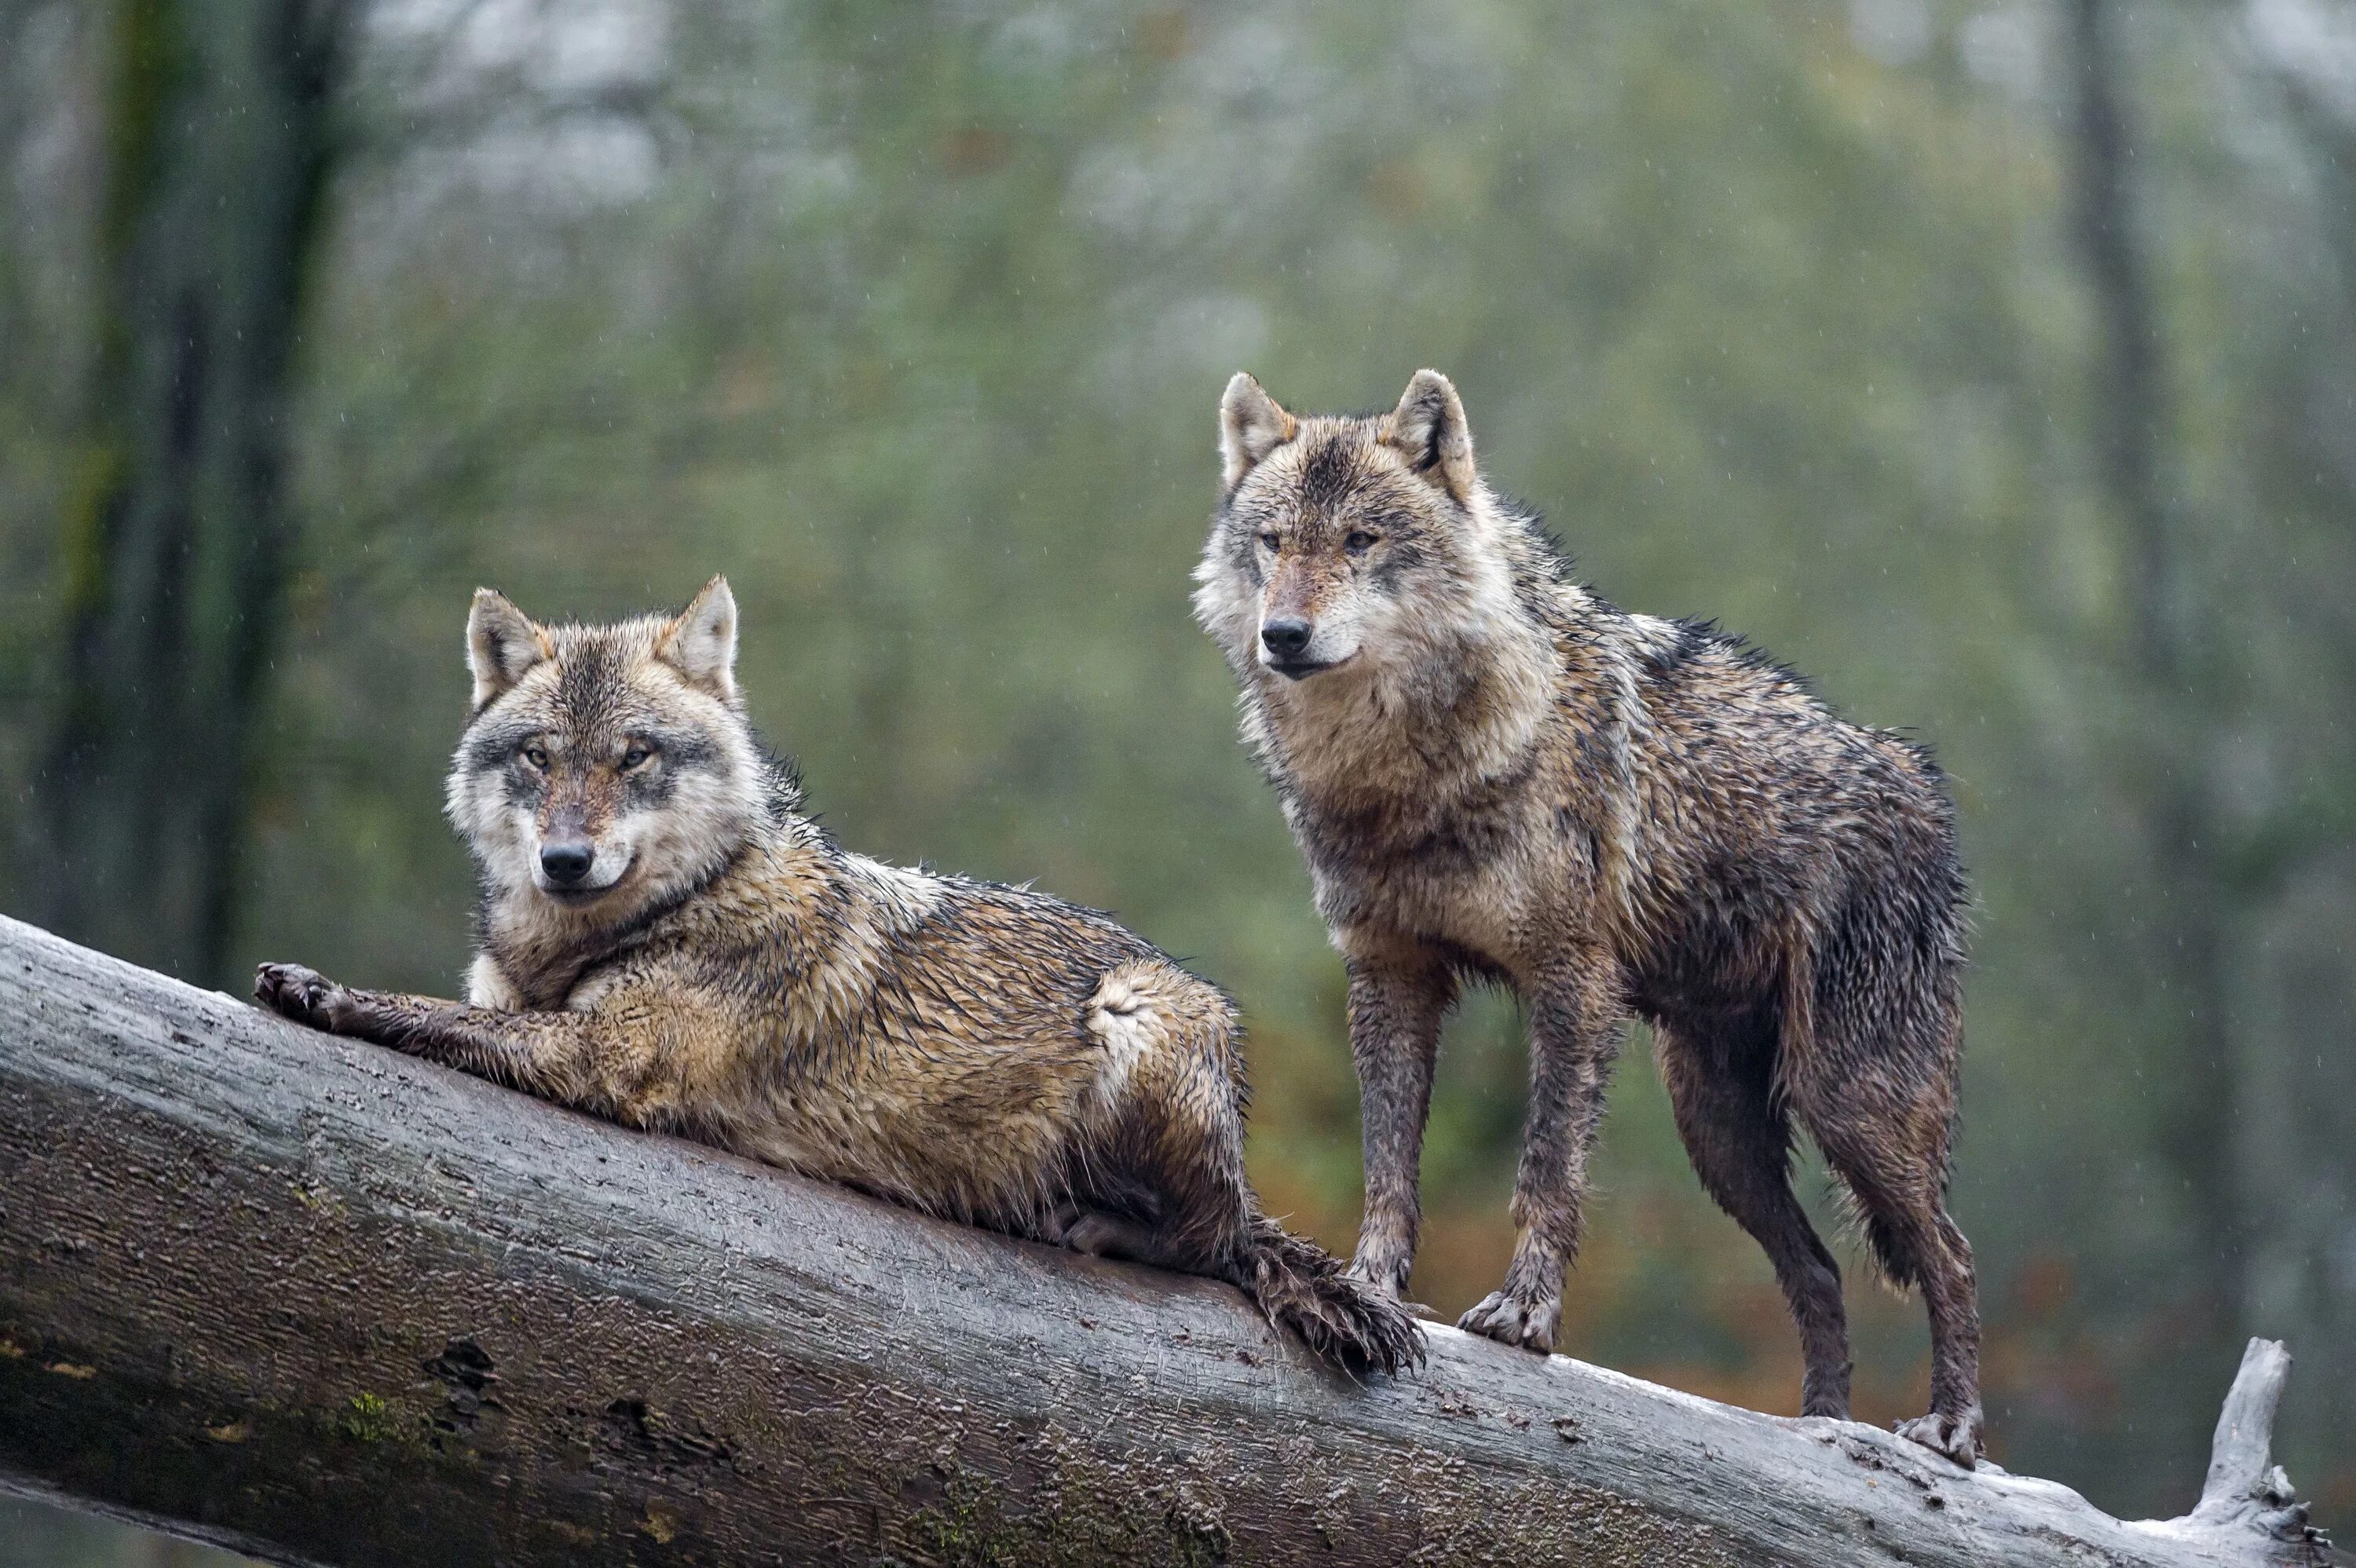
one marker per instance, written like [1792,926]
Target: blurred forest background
[1993,363]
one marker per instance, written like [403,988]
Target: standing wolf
[666,941]
[1495,775]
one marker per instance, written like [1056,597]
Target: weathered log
[327,1304]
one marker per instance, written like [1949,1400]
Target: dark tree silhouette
[217,139]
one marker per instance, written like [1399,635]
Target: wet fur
[981,1052]
[1496,777]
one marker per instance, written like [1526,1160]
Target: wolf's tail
[1302,1286]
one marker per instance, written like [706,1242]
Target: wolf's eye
[1269,541]
[1359,542]
[537,757]
[636,757]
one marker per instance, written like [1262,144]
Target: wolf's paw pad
[1512,1321]
[1106,1236]
[303,995]
[1956,1436]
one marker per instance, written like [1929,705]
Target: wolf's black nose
[1286,639]
[566,864]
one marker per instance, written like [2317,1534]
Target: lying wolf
[1495,775]
[668,941]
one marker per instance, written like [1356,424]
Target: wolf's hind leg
[1177,1126]
[1917,1242]
[1574,1035]
[1885,1125]
[1721,1083]
[1176,1121]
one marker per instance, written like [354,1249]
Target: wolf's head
[605,769]
[1349,542]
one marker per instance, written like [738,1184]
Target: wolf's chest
[1472,879]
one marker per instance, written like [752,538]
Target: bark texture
[327,1304]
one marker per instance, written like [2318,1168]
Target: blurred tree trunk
[2296,1001]
[2190,924]
[215,127]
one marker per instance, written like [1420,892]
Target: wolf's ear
[503,645]
[1429,426]
[1250,427]
[701,643]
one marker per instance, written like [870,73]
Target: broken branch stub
[2245,1489]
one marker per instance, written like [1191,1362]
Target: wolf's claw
[303,995]
[1956,1436]
[1512,1321]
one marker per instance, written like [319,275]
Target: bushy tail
[1302,1286]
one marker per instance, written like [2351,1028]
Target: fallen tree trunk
[327,1304]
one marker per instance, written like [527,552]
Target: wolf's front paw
[304,995]
[1512,1321]
[1956,1436]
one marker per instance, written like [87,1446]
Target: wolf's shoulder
[1691,651]
[1707,688]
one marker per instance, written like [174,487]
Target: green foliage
[367,1418]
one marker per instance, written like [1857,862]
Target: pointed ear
[502,644]
[1250,427]
[1429,426]
[701,643]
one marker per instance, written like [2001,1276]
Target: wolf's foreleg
[555,1055]
[1574,1034]
[1397,1006]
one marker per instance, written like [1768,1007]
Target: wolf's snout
[1286,639]
[566,864]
